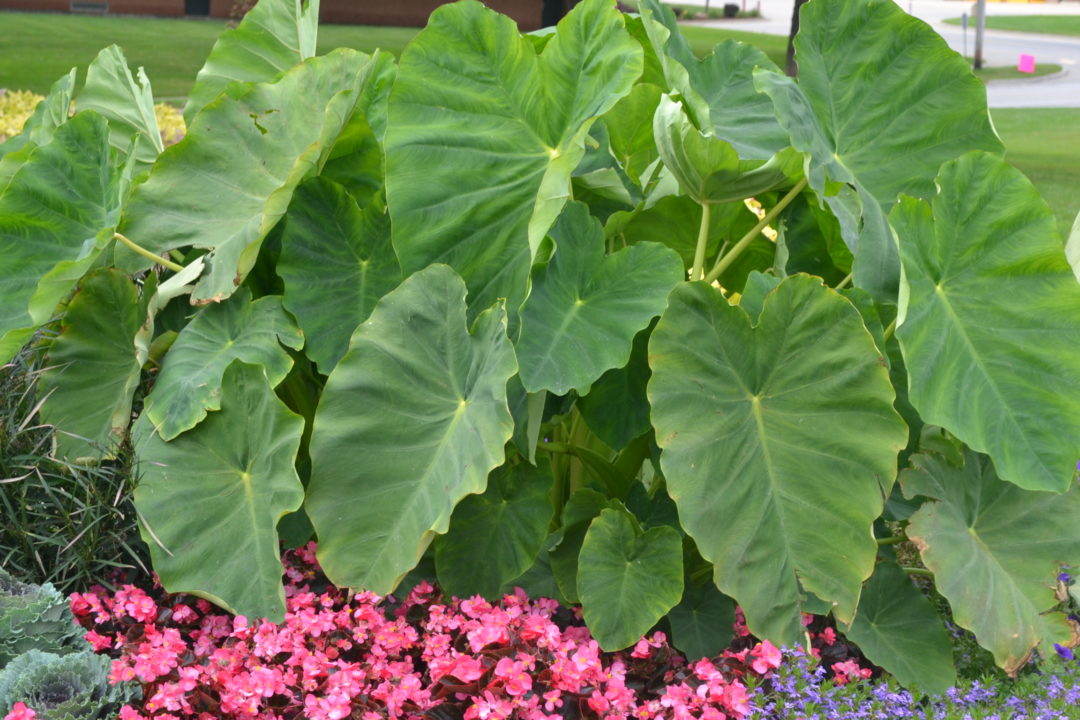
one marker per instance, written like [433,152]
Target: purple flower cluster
[800,691]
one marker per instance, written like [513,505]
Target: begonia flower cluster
[365,657]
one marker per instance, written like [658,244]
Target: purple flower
[1064,652]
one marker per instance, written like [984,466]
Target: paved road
[1000,48]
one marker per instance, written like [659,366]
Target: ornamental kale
[33,617]
[61,687]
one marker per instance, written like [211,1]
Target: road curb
[1026,81]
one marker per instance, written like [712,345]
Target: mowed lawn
[37,48]
[1052,24]
[1045,145]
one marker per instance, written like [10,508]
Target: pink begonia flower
[20,712]
[767,657]
[828,635]
[97,641]
[517,681]
[848,671]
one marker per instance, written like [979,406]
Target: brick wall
[353,12]
[164,8]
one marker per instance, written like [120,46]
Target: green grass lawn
[1045,145]
[172,50]
[1053,24]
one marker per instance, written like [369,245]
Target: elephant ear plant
[497,313]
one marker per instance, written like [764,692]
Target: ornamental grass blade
[627,579]
[92,369]
[190,381]
[995,549]
[274,36]
[229,181]
[886,128]
[110,90]
[336,262]
[585,307]
[433,423]
[55,216]
[209,501]
[496,536]
[974,352]
[898,629]
[484,134]
[777,440]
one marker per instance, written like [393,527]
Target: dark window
[196,7]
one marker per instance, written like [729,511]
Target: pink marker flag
[1026,64]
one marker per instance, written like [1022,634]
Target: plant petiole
[890,330]
[918,572]
[844,283]
[724,262]
[892,540]
[702,241]
[147,254]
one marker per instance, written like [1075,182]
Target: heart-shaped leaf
[210,500]
[585,307]
[128,106]
[229,181]
[628,579]
[887,128]
[92,369]
[898,629]
[616,408]
[702,622]
[719,89]
[995,549]
[336,261]
[496,536]
[49,114]
[274,36]
[974,352]
[578,512]
[189,384]
[777,441]
[709,169]
[55,217]
[385,481]
[484,134]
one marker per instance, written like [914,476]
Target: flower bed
[373,658]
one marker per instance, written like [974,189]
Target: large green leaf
[616,408]
[628,579]
[210,500]
[189,384]
[898,629]
[702,622]
[630,130]
[49,114]
[92,368]
[55,217]
[336,261]
[484,134]
[779,443]
[995,549]
[496,536]
[578,512]
[435,418]
[274,36]
[229,181]
[975,353]
[585,307]
[709,169]
[129,106]
[881,102]
[719,89]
